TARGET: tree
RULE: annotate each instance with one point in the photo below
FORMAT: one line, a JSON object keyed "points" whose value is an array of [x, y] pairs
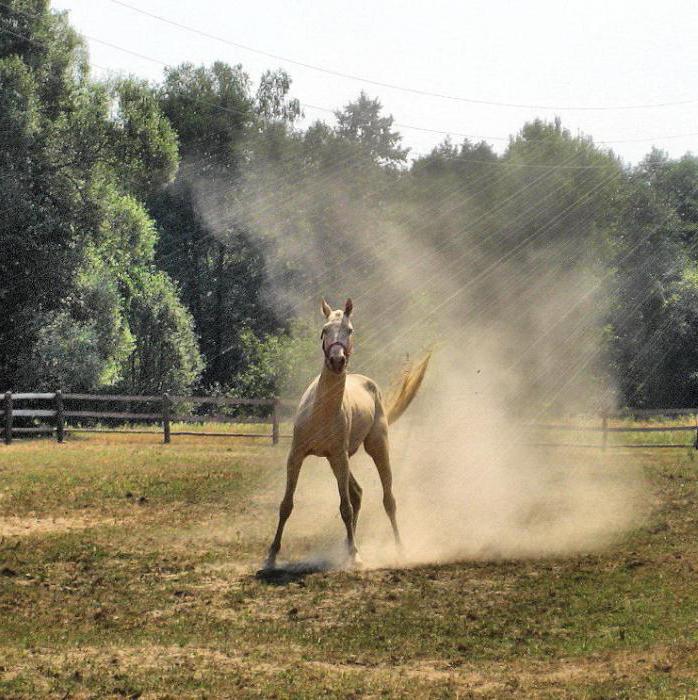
{"points": [[272, 100], [166, 356], [277, 365], [75, 155], [677, 182], [204, 245], [84, 345], [648, 265], [361, 122], [211, 109], [143, 143]]}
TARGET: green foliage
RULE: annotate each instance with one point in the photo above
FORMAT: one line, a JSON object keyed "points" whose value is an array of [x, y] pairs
{"points": [[217, 264], [277, 365], [19, 104], [48, 46], [126, 236], [84, 345], [143, 141], [677, 182], [273, 103], [220, 274], [166, 356], [648, 265], [66, 354], [210, 108], [98, 304], [362, 123], [77, 243]]}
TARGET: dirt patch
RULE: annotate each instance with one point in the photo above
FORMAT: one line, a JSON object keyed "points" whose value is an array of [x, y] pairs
{"points": [[482, 679], [15, 526]]}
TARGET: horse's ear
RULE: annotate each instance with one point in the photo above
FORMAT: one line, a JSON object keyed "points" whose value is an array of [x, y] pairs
{"points": [[326, 310], [348, 308]]}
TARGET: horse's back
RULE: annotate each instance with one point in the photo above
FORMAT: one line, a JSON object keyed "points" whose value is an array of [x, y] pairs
{"points": [[361, 386]]}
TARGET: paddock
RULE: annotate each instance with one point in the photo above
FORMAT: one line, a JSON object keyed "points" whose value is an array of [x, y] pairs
{"points": [[128, 569]]}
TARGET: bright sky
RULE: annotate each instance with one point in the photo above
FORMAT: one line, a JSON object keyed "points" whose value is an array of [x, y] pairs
{"points": [[552, 53]]}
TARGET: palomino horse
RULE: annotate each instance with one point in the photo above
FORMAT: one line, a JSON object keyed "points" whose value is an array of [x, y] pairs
{"points": [[337, 413]]}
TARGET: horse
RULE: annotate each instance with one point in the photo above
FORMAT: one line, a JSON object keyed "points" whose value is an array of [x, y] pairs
{"points": [[336, 415]]}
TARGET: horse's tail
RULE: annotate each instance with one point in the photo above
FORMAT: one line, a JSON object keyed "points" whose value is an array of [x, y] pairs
{"points": [[403, 393]]}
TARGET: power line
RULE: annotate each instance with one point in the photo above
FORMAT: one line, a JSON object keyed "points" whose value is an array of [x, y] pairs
{"points": [[234, 111], [400, 125], [393, 86], [333, 112]]}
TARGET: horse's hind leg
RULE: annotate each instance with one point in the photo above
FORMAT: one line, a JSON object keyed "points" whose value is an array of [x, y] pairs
{"points": [[340, 467], [355, 492], [376, 445], [293, 468]]}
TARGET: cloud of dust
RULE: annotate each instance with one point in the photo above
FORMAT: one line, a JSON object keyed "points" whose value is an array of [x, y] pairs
{"points": [[517, 340], [471, 485]]}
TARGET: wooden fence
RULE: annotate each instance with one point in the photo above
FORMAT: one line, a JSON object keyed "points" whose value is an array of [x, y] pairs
{"points": [[59, 417], [605, 429]]}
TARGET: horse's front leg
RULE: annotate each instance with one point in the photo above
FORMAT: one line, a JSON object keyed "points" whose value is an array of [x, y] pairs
{"points": [[293, 468], [340, 467]]}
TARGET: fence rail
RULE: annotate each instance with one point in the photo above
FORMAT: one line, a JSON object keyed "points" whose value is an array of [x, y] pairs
{"points": [[161, 412], [165, 409], [605, 429]]}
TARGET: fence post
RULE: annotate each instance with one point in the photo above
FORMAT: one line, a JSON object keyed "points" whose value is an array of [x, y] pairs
{"points": [[275, 422], [166, 413], [8, 417], [604, 427], [60, 417]]}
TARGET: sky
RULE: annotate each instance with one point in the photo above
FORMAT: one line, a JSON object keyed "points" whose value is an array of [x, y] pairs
{"points": [[551, 58]]}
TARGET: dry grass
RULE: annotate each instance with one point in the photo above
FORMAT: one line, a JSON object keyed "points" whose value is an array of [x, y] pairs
{"points": [[127, 570]]}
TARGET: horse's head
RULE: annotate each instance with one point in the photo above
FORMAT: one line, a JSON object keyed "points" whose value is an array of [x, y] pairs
{"points": [[336, 337]]}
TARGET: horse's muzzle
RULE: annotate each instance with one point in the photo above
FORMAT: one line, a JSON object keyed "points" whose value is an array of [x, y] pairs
{"points": [[337, 363]]}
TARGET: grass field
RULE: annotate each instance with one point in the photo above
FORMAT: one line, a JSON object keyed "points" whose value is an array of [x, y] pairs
{"points": [[127, 569]]}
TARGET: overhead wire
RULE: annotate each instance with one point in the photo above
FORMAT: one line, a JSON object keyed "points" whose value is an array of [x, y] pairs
{"points": [[396, 124], [393, 86]]}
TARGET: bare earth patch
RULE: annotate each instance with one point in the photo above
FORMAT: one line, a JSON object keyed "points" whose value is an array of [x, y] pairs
{"points": [[15, 526], [523, 678]]}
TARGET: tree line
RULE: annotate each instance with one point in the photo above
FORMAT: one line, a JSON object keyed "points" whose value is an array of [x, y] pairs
{"points": [[172, 237]]}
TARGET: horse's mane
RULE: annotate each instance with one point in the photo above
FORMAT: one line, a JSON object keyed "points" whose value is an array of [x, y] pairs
{"points": [[400, 397]]}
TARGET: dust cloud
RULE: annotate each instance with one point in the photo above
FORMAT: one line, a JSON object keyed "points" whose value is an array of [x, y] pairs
{"points": [[514, 309], [471, 484]]}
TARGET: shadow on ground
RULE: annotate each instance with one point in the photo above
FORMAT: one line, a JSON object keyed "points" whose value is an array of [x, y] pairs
{"points": [[286, 573]]}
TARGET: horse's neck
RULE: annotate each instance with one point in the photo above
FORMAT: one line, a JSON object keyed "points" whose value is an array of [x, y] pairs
{"points": [[330, 392]]}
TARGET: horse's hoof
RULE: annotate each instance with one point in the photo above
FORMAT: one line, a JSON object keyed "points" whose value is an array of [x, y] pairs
{"points": [[356, 562]]}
